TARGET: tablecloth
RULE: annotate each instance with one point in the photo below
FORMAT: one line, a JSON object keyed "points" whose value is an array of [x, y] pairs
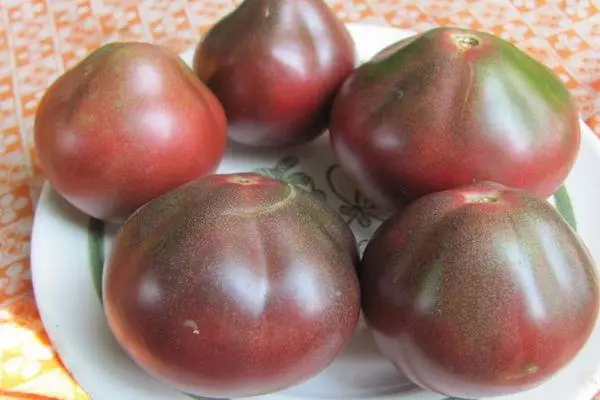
{"points": [[39, 39]]}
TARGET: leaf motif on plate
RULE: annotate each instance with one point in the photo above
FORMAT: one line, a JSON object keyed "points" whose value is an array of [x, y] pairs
{"points": [[355, 206], [363, 220], [286, 164], [266, 172], [302, 180], [283, 170], [280, 169]]}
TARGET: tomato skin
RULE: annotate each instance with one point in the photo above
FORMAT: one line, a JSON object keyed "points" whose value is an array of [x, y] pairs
{"points": [[479, 291], [233, 286], [128, 123], [276, 66], [430, 113]]}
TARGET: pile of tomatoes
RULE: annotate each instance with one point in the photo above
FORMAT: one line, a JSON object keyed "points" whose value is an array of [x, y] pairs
{"points": [[232, 285]]}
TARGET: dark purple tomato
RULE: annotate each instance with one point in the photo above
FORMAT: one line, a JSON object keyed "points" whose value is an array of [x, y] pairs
{"points": [[233, 285], [276, 65], [479, 291], [449, 107], [127, 124]]}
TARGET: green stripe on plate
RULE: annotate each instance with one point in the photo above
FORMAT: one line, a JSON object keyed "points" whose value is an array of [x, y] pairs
{"points": [[564, 206], [96, 252]]}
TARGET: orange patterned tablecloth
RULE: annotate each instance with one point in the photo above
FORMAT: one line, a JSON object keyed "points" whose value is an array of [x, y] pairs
{"points": [[39, 39]]}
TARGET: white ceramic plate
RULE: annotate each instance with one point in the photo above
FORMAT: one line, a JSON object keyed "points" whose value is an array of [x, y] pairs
{"points": [[68, 250]]}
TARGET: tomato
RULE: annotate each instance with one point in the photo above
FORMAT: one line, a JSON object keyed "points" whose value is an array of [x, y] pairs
{"points": [[128, 123], [233, 286], [449, 107], [276, 66], [479, 291]]}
